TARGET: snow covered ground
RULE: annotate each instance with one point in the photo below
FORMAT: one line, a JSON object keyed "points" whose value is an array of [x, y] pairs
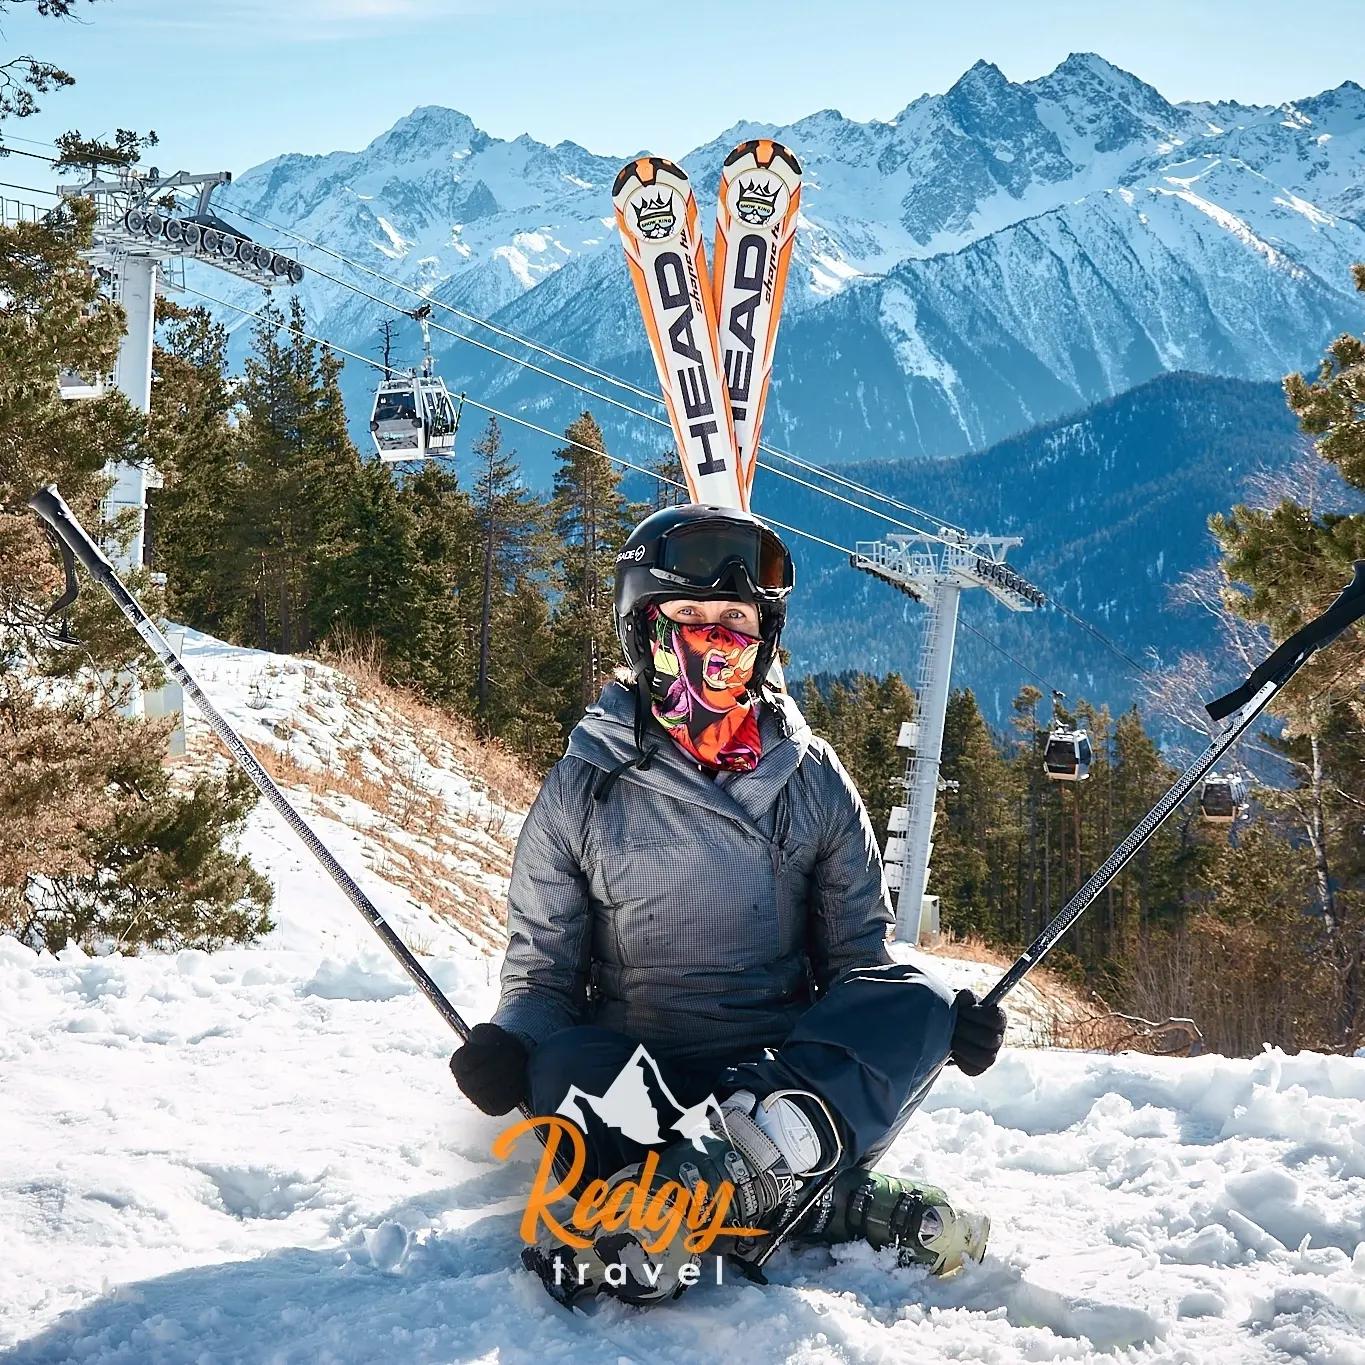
{"points": [[259, 1155]]}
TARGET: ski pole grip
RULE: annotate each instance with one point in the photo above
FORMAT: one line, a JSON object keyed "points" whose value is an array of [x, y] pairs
{"points": [[1348, 608], [51, 506]]}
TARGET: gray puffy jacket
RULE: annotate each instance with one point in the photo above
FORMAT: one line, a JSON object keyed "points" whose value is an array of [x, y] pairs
{"points": [[699, 917]]}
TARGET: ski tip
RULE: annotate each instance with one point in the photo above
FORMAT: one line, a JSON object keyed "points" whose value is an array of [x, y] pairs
{"points": [[765, 152], [645, 170]]}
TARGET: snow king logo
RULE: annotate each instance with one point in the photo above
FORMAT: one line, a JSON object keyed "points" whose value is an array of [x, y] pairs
{"points": [[756, 203], [655, 217], [641, 1107]]}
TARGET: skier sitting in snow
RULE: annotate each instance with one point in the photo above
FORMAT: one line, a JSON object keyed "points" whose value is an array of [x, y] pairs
{"points": [[699, 875]]}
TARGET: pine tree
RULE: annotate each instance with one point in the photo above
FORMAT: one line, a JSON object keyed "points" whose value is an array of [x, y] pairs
{"points": [[860, 716], [298, 467], [370, 589], [591, 519], [514, 562], [443, 662], [967, 870], [96, 843], [1293, 560], [196, 527], [1029, 785]]}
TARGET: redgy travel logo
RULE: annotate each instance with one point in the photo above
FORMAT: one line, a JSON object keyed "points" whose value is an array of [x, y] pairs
{"points": [[656, 1210]]}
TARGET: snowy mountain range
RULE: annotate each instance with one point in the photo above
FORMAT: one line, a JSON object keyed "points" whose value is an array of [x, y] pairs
{"points": [[985, 260]]}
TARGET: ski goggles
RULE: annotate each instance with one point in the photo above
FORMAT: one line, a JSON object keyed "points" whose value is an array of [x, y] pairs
{"points": [[707, 556]]}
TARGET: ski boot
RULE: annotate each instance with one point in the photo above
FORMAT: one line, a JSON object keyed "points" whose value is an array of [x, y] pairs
{"points": [[885, 1211], [765, 1149]]}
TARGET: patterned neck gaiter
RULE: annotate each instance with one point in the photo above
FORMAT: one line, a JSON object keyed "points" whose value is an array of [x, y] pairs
{"points": [[699, 695]]}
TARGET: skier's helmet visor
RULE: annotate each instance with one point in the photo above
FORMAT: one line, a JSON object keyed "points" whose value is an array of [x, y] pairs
{"points": [[705, 556]]}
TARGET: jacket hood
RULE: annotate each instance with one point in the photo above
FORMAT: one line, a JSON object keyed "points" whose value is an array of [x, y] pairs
{"points": [[605, 737]]}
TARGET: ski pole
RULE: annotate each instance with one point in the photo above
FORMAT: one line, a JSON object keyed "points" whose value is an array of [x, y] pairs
{"points": [[1239, 708], [75, 540]]}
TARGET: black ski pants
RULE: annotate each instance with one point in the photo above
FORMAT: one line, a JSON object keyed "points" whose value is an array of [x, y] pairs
{"points": [[871, 1047]]}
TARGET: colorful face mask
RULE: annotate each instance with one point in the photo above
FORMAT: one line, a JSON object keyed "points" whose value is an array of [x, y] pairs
{"points": [[701, 676]]}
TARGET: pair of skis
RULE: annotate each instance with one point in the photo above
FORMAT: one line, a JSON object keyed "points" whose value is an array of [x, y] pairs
{"points": [[712, 333]]}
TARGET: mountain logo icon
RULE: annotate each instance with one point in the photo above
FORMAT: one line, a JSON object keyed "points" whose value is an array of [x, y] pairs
{"points": [[639, 1105]]}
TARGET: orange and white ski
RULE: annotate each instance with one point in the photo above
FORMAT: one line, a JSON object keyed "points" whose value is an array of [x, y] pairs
{"points": [[656, 213], [760, 195]]}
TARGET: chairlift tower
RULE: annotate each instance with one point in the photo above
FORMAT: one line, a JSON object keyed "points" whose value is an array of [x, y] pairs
{"points": [[139, 230], [934, 571]]}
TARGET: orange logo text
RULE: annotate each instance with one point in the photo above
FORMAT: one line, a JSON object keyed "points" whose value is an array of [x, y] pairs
{"points": [[650, 1208]]}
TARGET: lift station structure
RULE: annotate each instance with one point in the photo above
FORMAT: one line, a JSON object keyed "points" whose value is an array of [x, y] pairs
{"points": [[139, 229], [934, 570]]}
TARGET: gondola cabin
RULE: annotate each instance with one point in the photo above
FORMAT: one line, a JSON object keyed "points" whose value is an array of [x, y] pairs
{"points": [[1223, 798], [1067, 756], [413, 418]]}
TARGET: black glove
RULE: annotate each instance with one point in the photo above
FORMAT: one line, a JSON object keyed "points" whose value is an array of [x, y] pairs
{"points": [[977, 1035], [491, 1068]]}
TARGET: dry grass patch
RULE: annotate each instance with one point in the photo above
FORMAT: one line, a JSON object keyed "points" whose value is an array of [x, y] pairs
{"points": [[432, 878], [510, 782], [472, 909]]}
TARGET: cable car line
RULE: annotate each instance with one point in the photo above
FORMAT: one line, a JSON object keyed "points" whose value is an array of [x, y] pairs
{"points": [[815, 469], [1000, 649], [604, 375], [1100, 636], [7, 150], [32, 141], [30, 189], [660, 421], [506, 416], [605, 398]]}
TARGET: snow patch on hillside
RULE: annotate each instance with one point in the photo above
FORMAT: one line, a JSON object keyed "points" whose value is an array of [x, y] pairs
{"points": [[394, 792]]}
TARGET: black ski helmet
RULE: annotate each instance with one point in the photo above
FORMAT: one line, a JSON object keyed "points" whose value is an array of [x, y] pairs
{"points": [[706, 554]]}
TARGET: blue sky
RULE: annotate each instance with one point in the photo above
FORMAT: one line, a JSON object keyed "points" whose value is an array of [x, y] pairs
{"points": [[228, 83]]}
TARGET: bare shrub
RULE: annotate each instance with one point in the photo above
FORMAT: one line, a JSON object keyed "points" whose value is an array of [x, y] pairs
{"points": [[1246, 984], [1117, 1032]]}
